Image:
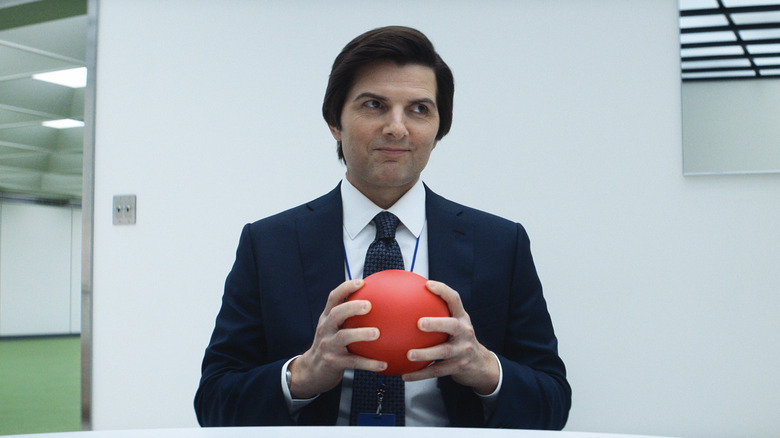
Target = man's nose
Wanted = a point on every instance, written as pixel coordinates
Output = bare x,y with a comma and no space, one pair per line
395,125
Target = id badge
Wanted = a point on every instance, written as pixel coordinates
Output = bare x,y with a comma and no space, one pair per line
369,419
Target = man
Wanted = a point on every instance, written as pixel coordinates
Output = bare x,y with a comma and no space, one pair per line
278,354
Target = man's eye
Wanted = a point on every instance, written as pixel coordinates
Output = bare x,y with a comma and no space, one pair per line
372,104
421,109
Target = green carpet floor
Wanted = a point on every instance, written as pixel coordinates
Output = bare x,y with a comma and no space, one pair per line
40,381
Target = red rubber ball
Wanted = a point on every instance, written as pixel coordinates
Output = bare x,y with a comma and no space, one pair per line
398,300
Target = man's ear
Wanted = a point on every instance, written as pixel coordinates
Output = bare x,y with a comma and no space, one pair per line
335,132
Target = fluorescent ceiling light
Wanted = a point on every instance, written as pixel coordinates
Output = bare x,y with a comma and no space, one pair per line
73,77
763,34
703,21
763,48
756,17
712,51
767,61
738,3
63,123
706,37
716,63
697,4
721,74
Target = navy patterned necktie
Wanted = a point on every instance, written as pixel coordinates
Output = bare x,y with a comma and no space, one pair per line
383,253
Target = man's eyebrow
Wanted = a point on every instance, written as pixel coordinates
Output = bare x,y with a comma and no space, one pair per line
371,95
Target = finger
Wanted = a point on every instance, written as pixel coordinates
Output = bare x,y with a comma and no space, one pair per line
343,311
341,292
442,351
363,334
449,295
437,369
357,362
450,325
344,360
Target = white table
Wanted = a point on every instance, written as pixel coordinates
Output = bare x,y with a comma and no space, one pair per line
325,432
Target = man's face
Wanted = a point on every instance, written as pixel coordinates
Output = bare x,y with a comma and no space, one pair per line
388,128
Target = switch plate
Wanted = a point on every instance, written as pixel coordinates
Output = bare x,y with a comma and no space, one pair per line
124,209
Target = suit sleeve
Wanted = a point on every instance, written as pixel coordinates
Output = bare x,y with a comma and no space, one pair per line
535,393
240,385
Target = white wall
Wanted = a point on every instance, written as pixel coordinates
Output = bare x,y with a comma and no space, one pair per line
40,282
663,289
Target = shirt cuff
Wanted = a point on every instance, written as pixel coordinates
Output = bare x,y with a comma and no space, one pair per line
489,401
294,405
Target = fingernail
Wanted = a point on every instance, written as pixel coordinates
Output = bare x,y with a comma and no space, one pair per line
412,355
375,334
358,282
424,324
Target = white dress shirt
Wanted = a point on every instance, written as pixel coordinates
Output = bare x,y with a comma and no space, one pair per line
424,403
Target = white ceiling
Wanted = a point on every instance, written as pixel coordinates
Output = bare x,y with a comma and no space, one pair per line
36,160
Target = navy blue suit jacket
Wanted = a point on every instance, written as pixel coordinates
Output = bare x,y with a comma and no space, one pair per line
287,264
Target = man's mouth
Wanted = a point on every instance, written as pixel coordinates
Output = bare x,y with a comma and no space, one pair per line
392,149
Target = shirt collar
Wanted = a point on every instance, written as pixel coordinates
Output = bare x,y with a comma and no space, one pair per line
359,210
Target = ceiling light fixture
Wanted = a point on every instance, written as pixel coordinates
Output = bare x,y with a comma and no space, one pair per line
63,123
72,77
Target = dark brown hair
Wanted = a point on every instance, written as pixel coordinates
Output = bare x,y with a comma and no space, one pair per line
402,45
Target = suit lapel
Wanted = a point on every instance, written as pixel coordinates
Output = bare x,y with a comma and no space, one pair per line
322,250
450,244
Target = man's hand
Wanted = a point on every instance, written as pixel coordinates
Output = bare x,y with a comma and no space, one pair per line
322,366
461,356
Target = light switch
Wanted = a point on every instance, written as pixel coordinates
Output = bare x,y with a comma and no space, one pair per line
124,209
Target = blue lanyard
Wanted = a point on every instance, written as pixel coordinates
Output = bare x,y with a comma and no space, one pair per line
411,269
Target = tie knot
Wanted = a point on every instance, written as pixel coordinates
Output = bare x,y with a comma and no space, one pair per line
386,223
